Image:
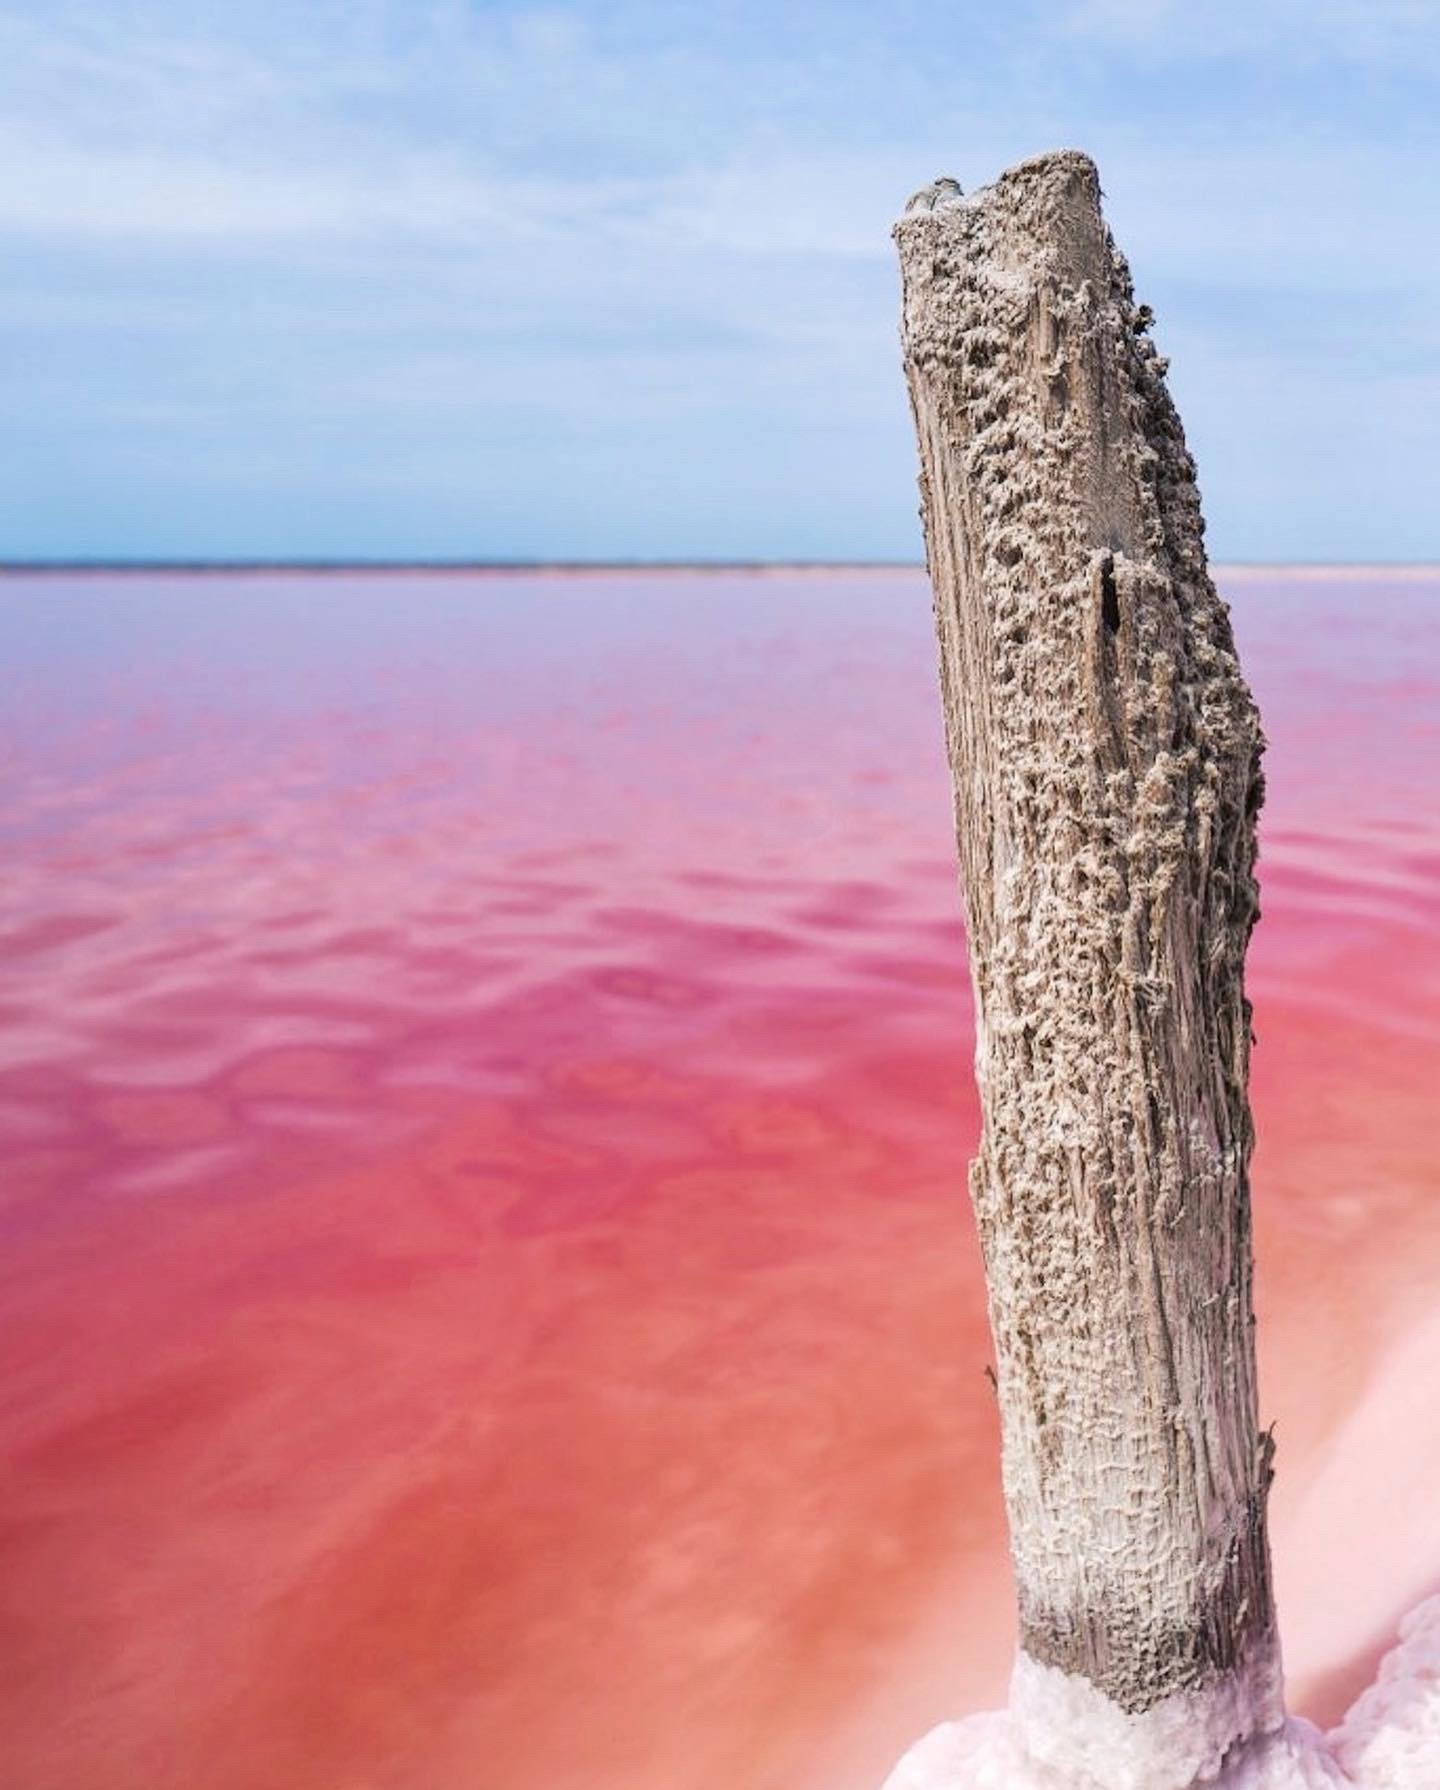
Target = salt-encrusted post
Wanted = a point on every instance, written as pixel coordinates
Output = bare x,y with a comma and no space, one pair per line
1105,755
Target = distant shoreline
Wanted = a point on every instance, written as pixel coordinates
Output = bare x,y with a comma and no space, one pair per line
243,568
443,567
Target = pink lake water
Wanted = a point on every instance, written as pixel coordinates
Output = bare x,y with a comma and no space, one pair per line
489,1300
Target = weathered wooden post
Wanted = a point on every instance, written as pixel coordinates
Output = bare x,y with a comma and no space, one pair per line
1105,755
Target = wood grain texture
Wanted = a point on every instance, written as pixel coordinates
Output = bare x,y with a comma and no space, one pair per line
1105,754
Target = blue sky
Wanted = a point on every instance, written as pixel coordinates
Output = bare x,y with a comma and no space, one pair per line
443,279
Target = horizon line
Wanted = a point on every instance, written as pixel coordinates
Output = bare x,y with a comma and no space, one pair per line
243,566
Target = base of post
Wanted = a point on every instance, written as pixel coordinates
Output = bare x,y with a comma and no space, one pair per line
1060,1733
983,1753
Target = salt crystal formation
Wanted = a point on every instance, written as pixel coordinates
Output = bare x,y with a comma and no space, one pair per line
1061,1734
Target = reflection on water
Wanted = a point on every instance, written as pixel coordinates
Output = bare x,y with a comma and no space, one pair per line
489,1297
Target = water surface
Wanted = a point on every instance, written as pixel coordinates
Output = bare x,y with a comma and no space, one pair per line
489,1300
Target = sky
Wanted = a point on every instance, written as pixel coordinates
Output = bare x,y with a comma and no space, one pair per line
439,279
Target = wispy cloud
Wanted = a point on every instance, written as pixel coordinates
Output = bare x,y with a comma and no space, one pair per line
482,241
1304,31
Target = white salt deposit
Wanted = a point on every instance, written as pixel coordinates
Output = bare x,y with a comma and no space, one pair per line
1060,1733
1390,1740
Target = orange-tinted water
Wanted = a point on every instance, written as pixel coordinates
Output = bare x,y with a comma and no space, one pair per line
489,1301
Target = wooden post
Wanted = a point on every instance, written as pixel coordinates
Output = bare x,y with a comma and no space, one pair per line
1105,755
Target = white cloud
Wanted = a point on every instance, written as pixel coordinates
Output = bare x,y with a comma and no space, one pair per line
567,220
1111,20
1301,31
51,188
548,32
785,203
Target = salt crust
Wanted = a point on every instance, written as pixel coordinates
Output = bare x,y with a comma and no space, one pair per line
1390,1740
1060,1733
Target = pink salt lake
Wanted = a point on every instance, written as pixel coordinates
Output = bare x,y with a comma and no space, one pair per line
489,1299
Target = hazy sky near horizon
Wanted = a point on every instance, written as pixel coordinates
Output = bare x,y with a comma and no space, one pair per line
444,279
